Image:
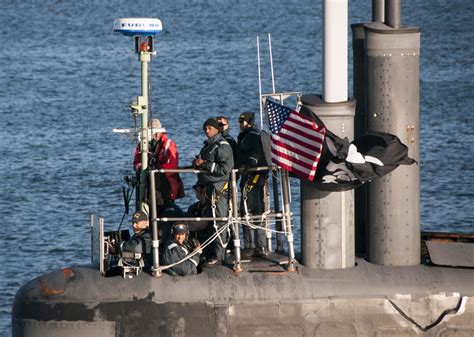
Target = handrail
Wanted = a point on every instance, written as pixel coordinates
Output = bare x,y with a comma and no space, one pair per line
193,170
234,220
252,217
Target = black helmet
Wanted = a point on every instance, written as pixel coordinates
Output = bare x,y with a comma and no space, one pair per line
179,228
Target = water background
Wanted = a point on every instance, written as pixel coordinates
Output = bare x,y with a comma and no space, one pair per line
66,81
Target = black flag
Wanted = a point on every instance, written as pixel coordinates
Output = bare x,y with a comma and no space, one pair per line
346,165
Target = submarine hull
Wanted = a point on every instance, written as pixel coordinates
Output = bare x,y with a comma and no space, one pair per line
366,300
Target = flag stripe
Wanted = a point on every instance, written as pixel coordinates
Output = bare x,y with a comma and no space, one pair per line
304,121
304,134
287,156
297,140
300,122
308,154
292,169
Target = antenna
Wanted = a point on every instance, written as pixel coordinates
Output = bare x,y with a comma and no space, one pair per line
271,61
260,77
259,83
143,30
138,26
281,96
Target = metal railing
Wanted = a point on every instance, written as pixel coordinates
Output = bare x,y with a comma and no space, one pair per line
235,220
280,215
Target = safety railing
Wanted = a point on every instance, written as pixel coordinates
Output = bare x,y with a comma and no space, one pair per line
281,215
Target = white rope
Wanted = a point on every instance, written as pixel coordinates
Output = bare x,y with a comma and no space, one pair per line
217,234
251,224
204,245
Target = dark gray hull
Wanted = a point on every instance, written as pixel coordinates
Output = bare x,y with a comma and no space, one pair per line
367,300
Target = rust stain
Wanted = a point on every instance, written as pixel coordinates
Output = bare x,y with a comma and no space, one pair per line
68,273
45,291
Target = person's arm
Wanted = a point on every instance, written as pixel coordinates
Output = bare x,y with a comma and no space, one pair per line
137,160
168,254
173,254
255,153
224,161
170,159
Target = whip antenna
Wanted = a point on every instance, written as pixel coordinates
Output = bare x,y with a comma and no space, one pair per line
259,83
271,61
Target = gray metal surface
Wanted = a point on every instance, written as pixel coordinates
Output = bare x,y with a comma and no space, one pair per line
460,254
393,13
378,10
366,300
392,61
95,242
53,328
327,219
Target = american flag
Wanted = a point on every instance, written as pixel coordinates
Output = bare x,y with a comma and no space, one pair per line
297,142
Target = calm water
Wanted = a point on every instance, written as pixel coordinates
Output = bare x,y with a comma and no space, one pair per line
66,81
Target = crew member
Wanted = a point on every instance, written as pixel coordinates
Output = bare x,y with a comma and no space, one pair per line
224,128
196,209
177,248
198,229
163,155
216,159
141,241
250,154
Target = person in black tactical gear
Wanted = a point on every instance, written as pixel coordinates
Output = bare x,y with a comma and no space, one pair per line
177,248
224,128
216,159
171,210
195,210
141,241
250,153
198,229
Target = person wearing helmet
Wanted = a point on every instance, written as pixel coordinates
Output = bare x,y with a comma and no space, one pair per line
179,247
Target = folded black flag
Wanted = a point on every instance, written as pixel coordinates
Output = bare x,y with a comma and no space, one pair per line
346,165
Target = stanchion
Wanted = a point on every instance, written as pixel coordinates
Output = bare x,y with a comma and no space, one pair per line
155,271
235,224
287,217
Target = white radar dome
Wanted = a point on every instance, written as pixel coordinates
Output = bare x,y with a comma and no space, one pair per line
138,26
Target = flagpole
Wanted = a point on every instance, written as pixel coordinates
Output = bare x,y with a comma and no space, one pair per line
259,83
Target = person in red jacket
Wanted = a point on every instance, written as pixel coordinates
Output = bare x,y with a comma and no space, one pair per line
163,154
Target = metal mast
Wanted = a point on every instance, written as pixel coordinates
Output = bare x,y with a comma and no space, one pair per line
327,219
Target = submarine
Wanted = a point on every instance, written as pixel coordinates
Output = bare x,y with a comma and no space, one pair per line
400,283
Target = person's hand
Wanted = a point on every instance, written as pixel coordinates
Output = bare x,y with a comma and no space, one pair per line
198,248
198,162
111,245
138,167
